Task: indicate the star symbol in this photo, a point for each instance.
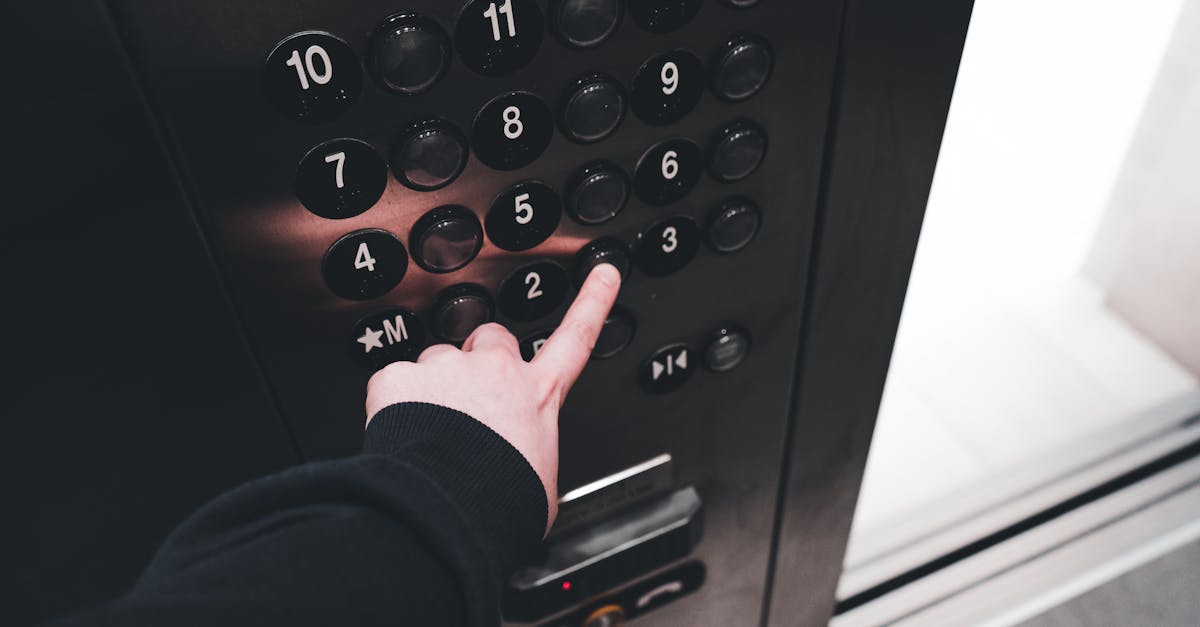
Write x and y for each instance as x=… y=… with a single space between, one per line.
x=370 y=339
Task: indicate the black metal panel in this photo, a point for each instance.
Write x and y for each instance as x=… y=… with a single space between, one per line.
x=202 y=61
x=130 y=396
x=896 y=73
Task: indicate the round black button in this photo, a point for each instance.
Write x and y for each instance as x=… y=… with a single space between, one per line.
x=495 y=38
x=663 y=16
x=532 y=344
x=312 y=77
x=667 y=87
x=668 y=246
x=512 y=131
x=364 y=264
x=727 y=349
x=597 y=193
x=429 y=155
x=668 y=171
x=523 y=216
x=741 y=4
x=585 y=23
x=733 y=225
x=667 y=369
x=341 y=178
x=592 y=109
x=533 y=291
x=741 y=67
x=409 y=54
x=459 y=310
x=604 y=250
x=615 y=335
x=446 y=239
x=386 y=337
x=737 y=151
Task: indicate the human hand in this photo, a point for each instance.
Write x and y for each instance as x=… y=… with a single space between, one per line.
x=488 y=380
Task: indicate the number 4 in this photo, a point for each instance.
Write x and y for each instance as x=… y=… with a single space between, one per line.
x=363 y=258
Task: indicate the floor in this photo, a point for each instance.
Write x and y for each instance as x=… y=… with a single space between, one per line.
x=1006 y=350
x=1160 y=594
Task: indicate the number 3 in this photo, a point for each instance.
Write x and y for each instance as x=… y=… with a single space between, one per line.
x=670 y=239
x=534 y=281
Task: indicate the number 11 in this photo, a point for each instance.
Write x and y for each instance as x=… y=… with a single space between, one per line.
x=494 y=16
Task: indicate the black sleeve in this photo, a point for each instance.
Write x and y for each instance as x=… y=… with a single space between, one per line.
x=421 y=529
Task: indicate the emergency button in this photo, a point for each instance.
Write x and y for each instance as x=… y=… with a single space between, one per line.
x=667 y=369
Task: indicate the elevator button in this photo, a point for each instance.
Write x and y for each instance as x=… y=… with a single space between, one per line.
x=727 y=349
x=663 y=16
x=737 y=151
x=593 y=108
x=668 y=171
x=604 y=250
x=523 y=216
x=386 y=337
x=668 y=246
x=312 y=77
x=497 y=38
x=741 y=4
x=585 y=23
x=531 y=344
x=597 y=193
x=429 y=155
x=742 y=67
x=733 y=225
x=615 y=335
x=607 y=616
x=446 y=239
x=459 y=310
x=512 y=131
x=667 y=87
x=340 y=178
x=364 y=264
x=409 y=54
x=533 y=291
x=667 y=369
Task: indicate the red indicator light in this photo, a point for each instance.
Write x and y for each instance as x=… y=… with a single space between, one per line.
x=566 y=585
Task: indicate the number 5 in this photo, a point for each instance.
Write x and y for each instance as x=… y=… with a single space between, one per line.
x=524 y=209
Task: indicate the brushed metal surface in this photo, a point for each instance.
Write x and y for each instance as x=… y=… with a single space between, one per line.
x=201 y=62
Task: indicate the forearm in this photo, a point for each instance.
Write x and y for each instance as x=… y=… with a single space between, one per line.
x=421 y=529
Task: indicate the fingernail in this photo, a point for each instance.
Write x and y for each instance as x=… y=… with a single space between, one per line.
x=607 y=274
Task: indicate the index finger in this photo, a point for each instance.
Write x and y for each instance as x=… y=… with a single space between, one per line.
x=566 y=352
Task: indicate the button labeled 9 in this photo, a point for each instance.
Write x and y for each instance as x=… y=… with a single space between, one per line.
x=667 y=87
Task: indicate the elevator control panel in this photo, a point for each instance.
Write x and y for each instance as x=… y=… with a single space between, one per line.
x=377 y=178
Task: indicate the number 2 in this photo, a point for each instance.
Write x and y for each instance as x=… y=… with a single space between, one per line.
x=670 y=239
x=670 y=77
x=309 y=68
x=534 y=281
x=524 y=209
x=494 y=15
x=363 y=258
x=340 y=159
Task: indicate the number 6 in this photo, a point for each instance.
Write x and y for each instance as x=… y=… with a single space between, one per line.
x=670 y=165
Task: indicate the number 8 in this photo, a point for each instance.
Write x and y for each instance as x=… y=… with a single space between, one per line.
x=513 y=126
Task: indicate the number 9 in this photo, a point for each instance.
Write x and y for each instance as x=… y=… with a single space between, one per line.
x=670 y=77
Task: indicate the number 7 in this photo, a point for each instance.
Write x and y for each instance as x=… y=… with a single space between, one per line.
x=340 y=158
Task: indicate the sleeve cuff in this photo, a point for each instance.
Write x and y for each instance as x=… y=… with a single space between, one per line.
x=500 y=495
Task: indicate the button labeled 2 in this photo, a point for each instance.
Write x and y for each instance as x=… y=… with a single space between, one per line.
x=364 y=264
x=341 y=178
x=533 y=291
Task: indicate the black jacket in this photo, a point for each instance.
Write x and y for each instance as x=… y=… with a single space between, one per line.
x=422 y=529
